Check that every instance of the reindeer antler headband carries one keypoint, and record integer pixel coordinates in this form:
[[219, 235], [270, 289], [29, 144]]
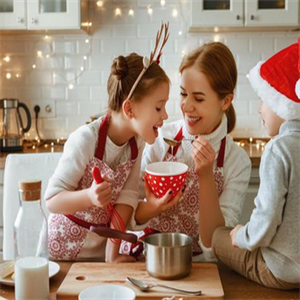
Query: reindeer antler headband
[[147, 62]]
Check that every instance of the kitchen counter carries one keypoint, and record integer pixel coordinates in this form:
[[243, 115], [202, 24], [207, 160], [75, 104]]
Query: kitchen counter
[[235, 286]]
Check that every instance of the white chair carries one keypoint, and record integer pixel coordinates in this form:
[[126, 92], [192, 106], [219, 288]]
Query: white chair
[[22, 167]]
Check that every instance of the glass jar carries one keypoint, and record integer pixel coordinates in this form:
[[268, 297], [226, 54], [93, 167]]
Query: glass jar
[[31, 245]]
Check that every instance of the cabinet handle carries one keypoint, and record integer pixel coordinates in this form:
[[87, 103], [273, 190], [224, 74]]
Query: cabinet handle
[[238, 17], [33, 20], [20, 20], [252, 17]]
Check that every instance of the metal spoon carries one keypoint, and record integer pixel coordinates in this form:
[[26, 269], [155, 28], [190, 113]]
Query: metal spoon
[[146, 287], [174, 143]]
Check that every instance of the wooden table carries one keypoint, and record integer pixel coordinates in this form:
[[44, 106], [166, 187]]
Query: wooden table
[[234, 285]]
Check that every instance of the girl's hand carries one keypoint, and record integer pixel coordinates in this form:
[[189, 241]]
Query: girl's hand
[[203, 155], [120, 258], [100, 194], [233, 235]]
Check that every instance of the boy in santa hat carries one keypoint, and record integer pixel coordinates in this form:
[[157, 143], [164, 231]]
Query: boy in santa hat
[[267, 249]]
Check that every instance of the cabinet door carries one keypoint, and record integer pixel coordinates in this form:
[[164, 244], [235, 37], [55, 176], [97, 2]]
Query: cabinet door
[[12, 14], [215, 13], [272, 13], [54, 14]]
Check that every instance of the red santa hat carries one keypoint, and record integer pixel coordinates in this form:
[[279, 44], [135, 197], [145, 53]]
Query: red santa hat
[[277, 82]]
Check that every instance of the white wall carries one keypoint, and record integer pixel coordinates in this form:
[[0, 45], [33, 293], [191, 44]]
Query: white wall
[[112, 36]]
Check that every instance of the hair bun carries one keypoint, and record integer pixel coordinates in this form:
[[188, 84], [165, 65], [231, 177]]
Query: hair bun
[[119, 67]]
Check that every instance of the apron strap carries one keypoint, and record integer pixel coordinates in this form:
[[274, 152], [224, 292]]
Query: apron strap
[[221, 156], [178, 138], [99, 153], [102, 134]]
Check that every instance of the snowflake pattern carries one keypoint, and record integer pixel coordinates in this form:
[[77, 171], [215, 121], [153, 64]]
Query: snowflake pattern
[[66, 238]]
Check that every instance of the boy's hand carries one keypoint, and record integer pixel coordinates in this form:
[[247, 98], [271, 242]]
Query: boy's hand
[[100, 194], [233, 235], [203, 155]]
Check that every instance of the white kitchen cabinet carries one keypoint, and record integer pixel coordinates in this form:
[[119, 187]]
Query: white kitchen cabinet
[[244, 14], [43, 14]]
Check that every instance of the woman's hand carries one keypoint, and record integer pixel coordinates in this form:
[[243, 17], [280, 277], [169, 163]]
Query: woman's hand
[[100, 194], [203, 155], [233, 235], [155, 206]]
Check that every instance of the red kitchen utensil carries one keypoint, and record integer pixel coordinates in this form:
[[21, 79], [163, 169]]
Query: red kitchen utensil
[[112, 213]]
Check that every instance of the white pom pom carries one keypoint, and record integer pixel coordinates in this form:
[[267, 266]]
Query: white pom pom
[[298, 88], [146, 62]]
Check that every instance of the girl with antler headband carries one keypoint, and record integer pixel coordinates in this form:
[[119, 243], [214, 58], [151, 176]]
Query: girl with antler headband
[[219, 170], [95, 183]]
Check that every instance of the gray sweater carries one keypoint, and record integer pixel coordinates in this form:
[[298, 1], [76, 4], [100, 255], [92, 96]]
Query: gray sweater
[[275, 221]]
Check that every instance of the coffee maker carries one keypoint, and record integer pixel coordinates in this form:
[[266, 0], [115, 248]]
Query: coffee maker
[[11, 124]]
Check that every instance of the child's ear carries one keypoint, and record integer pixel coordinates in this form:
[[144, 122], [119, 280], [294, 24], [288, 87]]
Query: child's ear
[[227, 101], [128, 108]]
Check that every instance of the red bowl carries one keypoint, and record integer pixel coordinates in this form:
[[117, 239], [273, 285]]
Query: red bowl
[[165, 175]]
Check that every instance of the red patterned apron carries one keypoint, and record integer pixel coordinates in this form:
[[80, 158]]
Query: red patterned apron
[[67, 240], [184, 217]]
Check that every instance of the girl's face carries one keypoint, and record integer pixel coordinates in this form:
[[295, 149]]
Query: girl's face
[[200, 105], [271, 121], [150, 113]]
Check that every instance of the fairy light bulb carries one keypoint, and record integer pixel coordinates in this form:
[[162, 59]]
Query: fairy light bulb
[[180, 32], [8, 76], [85, 57], [150, 11], [118, 11], [33, 66], [82, 68], [71, 86], [6, 58], [87, 41], [100, 3], [131, 12], [174, 13], [39, 53], [18, 75], [47, 56], [47, 37], [162, 2]]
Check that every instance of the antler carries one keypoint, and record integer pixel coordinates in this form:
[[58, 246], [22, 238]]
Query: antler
[[148, 62]]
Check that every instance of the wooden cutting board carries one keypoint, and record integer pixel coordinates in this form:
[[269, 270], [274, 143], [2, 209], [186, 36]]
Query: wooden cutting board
[[204, 276]]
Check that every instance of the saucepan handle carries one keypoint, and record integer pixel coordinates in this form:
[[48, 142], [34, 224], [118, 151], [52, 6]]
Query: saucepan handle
[[114, 234]]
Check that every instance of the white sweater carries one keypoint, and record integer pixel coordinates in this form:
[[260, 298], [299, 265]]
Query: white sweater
[[236, 169], [80, 149]]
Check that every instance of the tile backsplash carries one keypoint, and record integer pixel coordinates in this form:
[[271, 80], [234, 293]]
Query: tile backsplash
[[71, 71]]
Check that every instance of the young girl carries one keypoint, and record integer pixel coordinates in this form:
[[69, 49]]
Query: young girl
[[267, 249], [138, 91], [219, 170]]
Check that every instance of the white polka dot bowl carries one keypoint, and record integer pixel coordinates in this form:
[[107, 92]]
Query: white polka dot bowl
[[165, 175]]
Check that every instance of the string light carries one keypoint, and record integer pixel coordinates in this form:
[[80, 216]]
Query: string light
[[8, 76], [162, 2], [150, 10], [6, 58], [33, 66], [39, 53], [100, 3], [175, 13], [131, 12], [118, 11]]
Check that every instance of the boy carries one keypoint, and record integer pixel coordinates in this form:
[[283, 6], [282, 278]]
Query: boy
[[267, 249]]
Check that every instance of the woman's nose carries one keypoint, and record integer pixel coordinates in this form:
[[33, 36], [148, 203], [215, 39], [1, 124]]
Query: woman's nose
[[186, 104]]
